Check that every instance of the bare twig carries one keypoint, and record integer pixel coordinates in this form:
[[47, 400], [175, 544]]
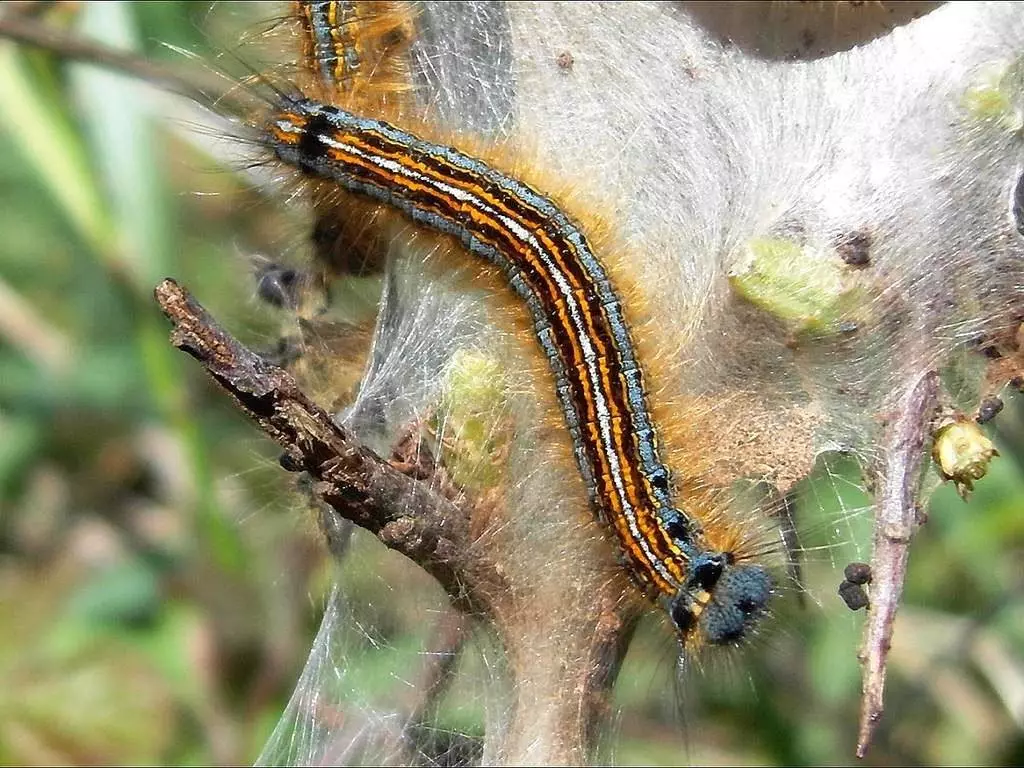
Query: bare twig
[[364, 488], [895, 523], [568, 685]]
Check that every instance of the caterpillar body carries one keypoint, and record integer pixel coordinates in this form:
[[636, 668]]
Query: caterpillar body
[[354, 53], [578, 320]]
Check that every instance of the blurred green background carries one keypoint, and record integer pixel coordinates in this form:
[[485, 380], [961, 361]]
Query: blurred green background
[[161, 579]]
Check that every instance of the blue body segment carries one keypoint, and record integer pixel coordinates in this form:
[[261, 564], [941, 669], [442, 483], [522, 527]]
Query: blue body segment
[[325, 35]]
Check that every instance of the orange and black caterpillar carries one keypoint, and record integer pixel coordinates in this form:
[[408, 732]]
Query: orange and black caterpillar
[[547, 260]]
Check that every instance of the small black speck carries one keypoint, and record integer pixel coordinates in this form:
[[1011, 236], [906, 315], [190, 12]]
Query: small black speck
[[853, 595], [289, 463], [678, 530], [855, 248], [659, 480], [988, 409], [278, 286], [858, 573]]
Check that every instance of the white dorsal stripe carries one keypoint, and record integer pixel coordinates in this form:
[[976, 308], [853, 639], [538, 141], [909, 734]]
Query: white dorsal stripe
[[564, 288]]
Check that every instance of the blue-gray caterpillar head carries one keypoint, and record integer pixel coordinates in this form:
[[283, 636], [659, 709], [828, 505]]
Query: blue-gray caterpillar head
[[721, 599]]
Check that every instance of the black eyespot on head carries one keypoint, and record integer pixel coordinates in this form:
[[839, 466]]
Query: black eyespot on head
[[705, 571], [739, 598], [310, 147]]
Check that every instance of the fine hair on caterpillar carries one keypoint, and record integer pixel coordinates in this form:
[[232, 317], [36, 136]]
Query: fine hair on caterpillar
[[602, 395], [791, 245], [406, 157], [713, 593]]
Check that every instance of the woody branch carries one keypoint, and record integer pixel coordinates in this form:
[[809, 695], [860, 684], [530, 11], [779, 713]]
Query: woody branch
[[410, 517]]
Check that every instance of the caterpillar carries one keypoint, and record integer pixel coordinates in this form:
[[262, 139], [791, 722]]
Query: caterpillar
[[352, 52], [580, 326], [354, 48], [607, 259]]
